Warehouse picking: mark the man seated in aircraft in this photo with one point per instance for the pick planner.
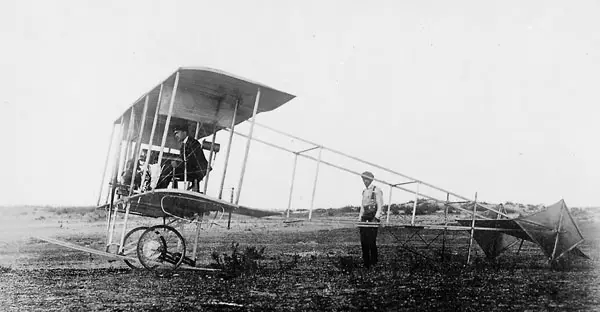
(152, 170)
(131, 171)
(159, 175)
(193, 165)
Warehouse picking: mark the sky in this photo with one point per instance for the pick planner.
(498, 98)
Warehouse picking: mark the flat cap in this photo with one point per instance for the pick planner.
(179, 127)
(367, 174)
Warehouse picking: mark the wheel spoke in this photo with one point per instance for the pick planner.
(161, 245)
(130, 246)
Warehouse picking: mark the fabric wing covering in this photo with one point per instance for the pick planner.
(553, 229)
(494, 243)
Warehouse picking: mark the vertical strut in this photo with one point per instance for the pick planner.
(138, 148)
(445, 224)
(112, 225)
(210, 157)
(237, 104)
(472, 229)
(129, 134)
(110, 144)
(239, 192)
(560, 220)
(520, 245)
(289, 207)
(389, 210)
(114, 174)
(312, 200)
(229, 217)
(195, 251)
(197, 130)
(414, 212)
(168, 122)
(154, 123)
(125, 217)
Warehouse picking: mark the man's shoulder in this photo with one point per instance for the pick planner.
(372, 188)
(192, 141)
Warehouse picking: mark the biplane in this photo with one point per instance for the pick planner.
(207, 101)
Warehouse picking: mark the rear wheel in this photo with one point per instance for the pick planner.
(161, 246)
(130, 246)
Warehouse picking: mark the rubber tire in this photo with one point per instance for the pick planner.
(150, 231)
(134, 265)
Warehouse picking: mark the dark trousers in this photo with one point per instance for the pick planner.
(368, 241)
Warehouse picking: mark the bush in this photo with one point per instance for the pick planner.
(320, 210)
(452, 209)
(349, 208)
(423, 207)
(395, 209)
(346, 264)
(95, 215)
(238, 263)
(70, 210)
(284, 265)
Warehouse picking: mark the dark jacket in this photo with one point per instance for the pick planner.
(194, 160)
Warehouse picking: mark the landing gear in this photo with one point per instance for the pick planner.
(130, 244)
(161, 246)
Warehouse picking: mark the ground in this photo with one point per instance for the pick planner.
(303, 267)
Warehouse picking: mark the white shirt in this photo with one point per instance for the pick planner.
(154, 175)
(368, 200)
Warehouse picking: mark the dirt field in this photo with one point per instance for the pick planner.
(303, 267)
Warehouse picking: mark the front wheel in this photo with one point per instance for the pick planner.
(130, 246)
(161, 246)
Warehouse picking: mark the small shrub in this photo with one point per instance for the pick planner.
(288, 265)
(349, 208)
(70, 210)
(320, 211)
(62, 211)
(346, 264)
(238, 263)
(94, 216)
(395, 209)
(452, 209)
(424, 207)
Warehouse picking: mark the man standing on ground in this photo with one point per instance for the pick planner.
(370, 211)
(194, 165)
